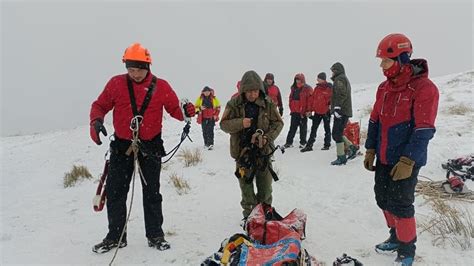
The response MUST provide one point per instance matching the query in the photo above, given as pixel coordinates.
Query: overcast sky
(57, 56)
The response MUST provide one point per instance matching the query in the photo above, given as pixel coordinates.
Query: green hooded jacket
(269, 120)
(341, 93)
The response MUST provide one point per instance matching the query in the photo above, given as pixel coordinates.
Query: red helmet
(393, 45)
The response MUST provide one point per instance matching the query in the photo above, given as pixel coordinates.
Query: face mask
(393, 71)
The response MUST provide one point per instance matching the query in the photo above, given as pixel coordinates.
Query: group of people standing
(304, 103)
(400, 128)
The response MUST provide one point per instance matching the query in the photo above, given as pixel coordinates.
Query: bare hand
(247, 122)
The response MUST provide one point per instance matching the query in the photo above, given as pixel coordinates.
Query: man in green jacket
(253, 122)
(341, 107)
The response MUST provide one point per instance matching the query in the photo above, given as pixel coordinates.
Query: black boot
(325, 147)
(106, 245)
(159, 243)
(307, 148)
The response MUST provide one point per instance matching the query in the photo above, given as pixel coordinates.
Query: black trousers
(302, 123)
(396, 197)
(338, 128)
(326, 118)
(118, 184)
(208, 131)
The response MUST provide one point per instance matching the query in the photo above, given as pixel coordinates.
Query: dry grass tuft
(76, 174)
(459, 109)
(190, 157)
(181, 185)
(449, 225)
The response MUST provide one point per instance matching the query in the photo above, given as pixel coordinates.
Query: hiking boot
(287, 145)
(341, 159)
(325, 148)
(390, 245)
(159, 243)
(403, 260)
(302, 146)
(106, 245)
(352, 152)
(307, 148)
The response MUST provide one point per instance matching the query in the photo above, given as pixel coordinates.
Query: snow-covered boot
(341, 159)
(389, 245)
(106, 245)
(159, 243)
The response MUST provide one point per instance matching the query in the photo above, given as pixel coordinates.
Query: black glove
(97, 126)
(280, 110)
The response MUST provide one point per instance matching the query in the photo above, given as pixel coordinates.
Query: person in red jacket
(137, 97)
(402, 122)
(273, 91)
(299, 111)
(319, 103)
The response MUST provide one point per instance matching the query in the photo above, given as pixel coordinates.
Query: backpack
(352, 132)
(265, 226)
(241, 250)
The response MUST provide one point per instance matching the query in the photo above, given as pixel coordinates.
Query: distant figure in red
(320, 103)
(299, 111)
(273, 91)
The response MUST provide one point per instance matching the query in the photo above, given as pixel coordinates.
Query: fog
(57, 56)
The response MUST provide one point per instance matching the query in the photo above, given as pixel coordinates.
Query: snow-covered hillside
(44, 223)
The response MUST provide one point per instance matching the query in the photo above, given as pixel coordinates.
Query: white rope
(134, 126)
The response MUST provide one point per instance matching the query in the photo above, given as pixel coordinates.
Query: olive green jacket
(269, 120)
(341, 93)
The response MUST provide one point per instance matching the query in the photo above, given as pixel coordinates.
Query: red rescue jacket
(320, 100)
(116, 96)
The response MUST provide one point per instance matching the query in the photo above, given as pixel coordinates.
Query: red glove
(189, 109)
(96, 127)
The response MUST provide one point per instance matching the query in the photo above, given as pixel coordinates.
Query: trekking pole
(134, 126)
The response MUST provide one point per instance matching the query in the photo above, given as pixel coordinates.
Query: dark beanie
(206, 89)
(322, 76)
(137, 64)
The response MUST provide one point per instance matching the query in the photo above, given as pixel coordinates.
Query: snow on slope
(43, 223)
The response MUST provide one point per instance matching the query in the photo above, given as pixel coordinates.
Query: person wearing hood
(299, 110)
(341, 107)
(273, 91)
(252, 119)
(208, 109)
(402, 122)
(319, 103)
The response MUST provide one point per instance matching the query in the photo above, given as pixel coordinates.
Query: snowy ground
(43, 223)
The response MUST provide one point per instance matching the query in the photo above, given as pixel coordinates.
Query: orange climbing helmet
(136, 52)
